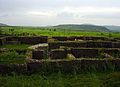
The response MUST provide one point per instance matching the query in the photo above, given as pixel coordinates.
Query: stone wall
(28, 40)
(85, 53)
(39, 54)
(33, 40)
(58, 54)
(60, 38)
(13, 68)
(67, 66)
(72, 38)
(85, 44)
(115, 52)
(2, 41)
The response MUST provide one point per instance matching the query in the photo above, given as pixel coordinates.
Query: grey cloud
(105, 16)
(65, 15)
(13, 11)
(17, 5)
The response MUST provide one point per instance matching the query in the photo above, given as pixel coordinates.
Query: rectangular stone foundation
(38, 54)
(85, 52)
(58, 54)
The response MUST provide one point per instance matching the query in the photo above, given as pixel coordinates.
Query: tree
(54, 29)
(110, 35)
(12, 31)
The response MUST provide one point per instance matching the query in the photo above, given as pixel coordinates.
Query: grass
(111, 79)
(16, 46)
(31, 31)
(11, 58)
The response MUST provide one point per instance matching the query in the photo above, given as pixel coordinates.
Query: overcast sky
(53, 12)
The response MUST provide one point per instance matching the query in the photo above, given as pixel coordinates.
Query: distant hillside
(1, 24)
(83, 27)
(114, 28)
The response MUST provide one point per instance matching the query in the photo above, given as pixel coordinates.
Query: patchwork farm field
(42, 57)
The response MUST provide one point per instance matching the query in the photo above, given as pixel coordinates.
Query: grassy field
(37, 31)
(111, 79)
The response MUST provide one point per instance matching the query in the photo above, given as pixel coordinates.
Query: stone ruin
(69, 54)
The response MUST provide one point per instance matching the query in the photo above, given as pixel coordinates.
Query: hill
(113, 28)
(83, 27)
(1, 24)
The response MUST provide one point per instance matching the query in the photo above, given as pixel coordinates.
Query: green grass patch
(111, 79)
(11, 58)
(16, 46)
(38, 31)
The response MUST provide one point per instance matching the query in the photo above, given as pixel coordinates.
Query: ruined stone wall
(73, 38)
(33, 40)
(85, 44)
(58, 54)
(85, 52)
(74, 66)
(2, 41)
(28, 40)
(39, 54)
(60, 38)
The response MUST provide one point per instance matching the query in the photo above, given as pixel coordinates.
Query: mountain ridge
(83, 27)
(113, 28)
(2, 24)
(86, 27)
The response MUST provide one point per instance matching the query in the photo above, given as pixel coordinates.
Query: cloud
(65, 14)
(104, 15)
(41, 13)
(77, 12)
(90, 10)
